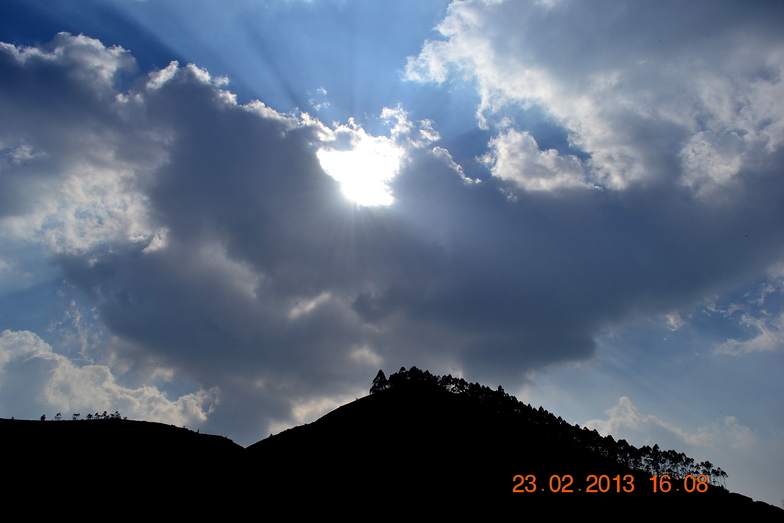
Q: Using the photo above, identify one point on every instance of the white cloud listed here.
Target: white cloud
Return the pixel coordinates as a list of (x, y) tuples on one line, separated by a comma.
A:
[(516, 156), (710, 160), (365, 356), (769, 336), (34, 380), (306, 306), (73, 180), (646, 96), (158, 78), (625, 421), (96, 65), (404, 131), (674, 321)]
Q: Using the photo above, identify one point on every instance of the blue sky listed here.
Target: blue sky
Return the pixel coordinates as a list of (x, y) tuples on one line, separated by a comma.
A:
[(229, 215)]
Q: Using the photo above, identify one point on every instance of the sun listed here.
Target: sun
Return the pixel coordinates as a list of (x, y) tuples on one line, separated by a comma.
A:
[(364, 172)]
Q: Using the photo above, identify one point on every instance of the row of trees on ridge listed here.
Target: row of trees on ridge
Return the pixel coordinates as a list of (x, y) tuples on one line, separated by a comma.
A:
[(77, 416), (648, 459)]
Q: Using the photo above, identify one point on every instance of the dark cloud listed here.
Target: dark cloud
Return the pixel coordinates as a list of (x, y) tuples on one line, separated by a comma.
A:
[(214, 244)]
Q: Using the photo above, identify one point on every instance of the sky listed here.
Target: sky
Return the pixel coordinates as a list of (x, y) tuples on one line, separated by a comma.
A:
[(229, 215)]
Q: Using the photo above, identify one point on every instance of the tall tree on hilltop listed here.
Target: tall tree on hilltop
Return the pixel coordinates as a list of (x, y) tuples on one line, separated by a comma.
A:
[(380, 382)]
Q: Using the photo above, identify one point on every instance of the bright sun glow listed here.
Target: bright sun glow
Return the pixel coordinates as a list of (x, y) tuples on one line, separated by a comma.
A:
[(364, 172)]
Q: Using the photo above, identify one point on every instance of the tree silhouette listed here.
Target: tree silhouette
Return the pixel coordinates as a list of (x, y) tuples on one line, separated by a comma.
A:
[(380, 382), (651, 460)]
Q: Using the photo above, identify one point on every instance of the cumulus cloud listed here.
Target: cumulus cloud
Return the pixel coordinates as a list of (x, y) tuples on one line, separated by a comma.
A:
[(516, 156), (69, 178), (647, 95), (28, 364)]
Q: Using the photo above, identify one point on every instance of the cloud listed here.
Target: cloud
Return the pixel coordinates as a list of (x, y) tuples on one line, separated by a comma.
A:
[(70, 178), (649, 97), (760, 315), (625, 420), (516, 156), (28, 364), (206, 232), (211, 241), (769, 337), (674, 321)]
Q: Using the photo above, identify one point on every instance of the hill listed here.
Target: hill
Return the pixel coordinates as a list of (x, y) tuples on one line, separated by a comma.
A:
[(435, 445), (115, 467), (451, 446)]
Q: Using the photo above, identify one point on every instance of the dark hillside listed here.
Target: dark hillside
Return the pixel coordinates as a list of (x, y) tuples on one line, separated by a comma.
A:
[(134, 466), (418, 443)]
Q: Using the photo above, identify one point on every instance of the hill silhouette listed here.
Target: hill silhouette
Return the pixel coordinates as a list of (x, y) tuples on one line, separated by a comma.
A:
[(442, 443), (436, 445), (116, 467)]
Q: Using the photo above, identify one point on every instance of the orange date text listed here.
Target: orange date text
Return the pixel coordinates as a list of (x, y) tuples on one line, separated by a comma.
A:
[(566, 484)]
